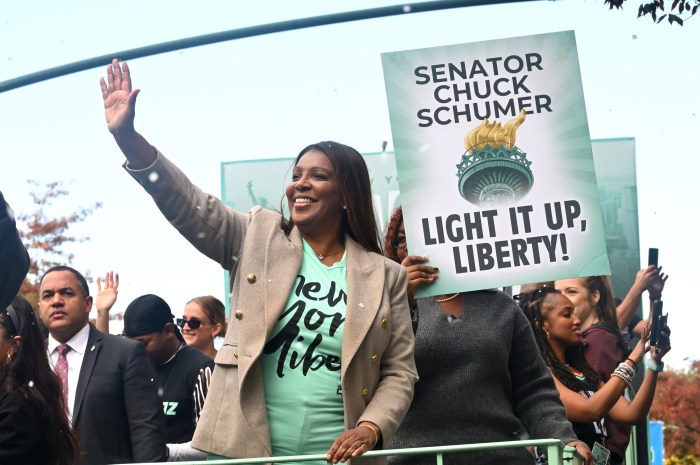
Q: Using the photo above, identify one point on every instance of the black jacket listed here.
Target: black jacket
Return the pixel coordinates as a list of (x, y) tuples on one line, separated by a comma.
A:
[(117, 414), (14, 260)]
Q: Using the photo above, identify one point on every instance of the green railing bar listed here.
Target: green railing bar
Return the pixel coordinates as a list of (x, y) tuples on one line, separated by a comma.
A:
[(252, 31), (439, 458), (557, 453)]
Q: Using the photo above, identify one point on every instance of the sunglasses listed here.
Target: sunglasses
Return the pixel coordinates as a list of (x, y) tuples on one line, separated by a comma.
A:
[(193, 322)]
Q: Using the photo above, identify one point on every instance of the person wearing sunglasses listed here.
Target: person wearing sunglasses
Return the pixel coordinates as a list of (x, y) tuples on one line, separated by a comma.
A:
[(183, 373), (203, 319)]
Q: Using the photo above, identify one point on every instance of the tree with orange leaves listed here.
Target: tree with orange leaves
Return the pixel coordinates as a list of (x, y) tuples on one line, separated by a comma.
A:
[(677, 404), (44, 235)]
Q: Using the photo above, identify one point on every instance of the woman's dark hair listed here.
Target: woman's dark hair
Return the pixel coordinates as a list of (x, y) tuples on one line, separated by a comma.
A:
[(28, 373), (214, 310), (536, 305), (392, 232), (355, 189)]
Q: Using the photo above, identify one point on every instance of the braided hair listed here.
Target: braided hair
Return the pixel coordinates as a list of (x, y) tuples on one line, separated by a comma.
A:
[(536, 305)]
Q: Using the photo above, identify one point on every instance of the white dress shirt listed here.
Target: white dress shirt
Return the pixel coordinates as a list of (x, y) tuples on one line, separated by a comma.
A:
[(74, 357)]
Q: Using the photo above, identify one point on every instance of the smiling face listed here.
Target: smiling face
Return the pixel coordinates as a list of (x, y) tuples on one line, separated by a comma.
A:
[(314, 196), (583, 301), (201, 337), (63, 305), (560, 321)]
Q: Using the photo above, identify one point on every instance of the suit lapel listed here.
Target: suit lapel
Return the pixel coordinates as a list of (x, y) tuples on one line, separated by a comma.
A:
[(281, 270), (282, 261), (89, 359), (365, 275)]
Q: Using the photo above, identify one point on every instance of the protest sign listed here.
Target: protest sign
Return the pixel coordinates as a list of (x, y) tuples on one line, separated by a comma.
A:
[(494, 162)]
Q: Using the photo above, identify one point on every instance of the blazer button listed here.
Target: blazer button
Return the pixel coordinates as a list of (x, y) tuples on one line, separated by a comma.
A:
[(235, 354), (374, 359), (384, 322), (238, 314), (364, 392), (251, 278)]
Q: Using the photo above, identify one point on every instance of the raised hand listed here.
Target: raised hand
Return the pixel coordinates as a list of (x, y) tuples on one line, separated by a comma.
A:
[(656, 282), (119, 98), (664, 344), (643, 345), (107, 294)]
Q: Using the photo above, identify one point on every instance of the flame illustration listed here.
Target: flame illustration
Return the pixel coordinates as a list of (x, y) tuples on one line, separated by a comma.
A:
[(493, 134)]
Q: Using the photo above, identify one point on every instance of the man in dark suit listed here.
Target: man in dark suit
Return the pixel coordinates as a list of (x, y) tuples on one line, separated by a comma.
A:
[(109, 384)]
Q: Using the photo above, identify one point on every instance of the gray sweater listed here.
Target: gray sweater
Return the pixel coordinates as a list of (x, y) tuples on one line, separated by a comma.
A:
[(482, 379)]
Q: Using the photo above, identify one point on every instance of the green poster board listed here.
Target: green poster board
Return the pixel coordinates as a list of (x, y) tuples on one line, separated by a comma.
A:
[(616, 173)]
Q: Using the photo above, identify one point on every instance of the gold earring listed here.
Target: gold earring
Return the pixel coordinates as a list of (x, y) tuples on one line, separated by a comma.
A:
[(547, 333)]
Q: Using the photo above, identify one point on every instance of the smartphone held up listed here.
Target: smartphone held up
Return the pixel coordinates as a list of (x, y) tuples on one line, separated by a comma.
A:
[(658, 319)]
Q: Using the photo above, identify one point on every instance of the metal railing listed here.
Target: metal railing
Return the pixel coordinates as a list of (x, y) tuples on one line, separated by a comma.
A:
[(557, 453)]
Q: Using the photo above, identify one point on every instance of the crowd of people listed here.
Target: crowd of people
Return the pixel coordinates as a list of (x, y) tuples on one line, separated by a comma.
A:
[(327, 349)]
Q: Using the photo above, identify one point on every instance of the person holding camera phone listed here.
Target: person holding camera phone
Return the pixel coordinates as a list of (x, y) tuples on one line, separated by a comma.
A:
[(603, 344), (482, 378), (589, 399), (650, 279)]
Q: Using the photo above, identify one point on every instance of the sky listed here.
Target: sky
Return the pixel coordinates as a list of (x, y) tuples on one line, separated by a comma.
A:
[(269, 96)]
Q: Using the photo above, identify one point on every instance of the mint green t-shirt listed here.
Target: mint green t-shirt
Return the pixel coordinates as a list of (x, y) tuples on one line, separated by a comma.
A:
[(301, 361)]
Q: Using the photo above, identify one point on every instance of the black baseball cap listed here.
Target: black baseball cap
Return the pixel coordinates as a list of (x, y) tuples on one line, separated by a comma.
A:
[(148, 314)]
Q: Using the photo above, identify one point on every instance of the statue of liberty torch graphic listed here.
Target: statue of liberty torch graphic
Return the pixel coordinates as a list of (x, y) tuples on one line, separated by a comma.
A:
[(493, 171)]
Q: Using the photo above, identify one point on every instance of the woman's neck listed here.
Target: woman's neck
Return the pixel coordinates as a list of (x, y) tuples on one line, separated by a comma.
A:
[(325, 244), (451, 306), (591, 320), (210, 350), (559, 351)]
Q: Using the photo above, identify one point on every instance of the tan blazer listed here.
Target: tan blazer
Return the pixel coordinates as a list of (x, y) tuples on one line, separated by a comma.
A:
[(378, 370)]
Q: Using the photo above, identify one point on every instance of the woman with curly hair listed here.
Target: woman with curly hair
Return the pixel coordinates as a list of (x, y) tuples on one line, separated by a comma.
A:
[(34, 428)]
